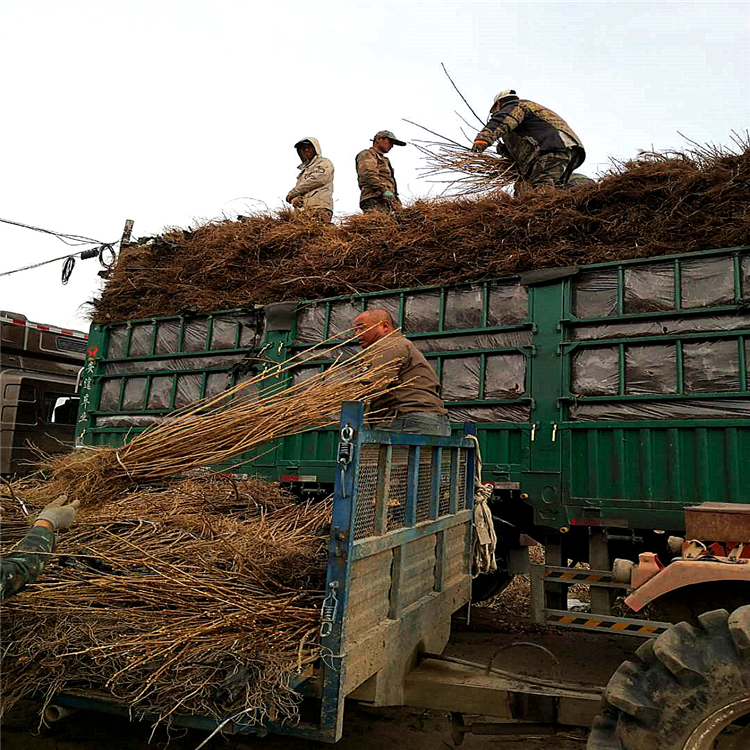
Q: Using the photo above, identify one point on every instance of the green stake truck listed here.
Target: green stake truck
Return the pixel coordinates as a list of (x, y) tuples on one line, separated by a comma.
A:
[(607, 398)]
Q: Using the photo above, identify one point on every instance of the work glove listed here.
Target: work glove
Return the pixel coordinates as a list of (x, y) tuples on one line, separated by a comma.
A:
[(389, 196), (60, 513), (479, 146)]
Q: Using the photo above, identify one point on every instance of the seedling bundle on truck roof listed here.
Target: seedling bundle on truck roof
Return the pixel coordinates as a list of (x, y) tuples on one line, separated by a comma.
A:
[(651, 206)]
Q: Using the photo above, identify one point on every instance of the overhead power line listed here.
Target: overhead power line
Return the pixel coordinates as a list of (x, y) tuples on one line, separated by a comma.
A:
[(105, 251), (70, 260), (68, 239)]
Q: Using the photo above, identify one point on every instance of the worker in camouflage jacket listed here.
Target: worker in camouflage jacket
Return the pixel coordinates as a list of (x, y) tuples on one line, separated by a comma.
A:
[(543, 146), (313, 192), (25, 563), (377, 181)]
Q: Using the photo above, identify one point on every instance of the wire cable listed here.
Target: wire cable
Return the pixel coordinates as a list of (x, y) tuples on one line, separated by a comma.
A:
[(68, 239), (70, 260), (34, 265), (67, 269)]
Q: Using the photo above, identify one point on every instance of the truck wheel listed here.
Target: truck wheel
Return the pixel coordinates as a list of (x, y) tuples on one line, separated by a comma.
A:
[(486, 586), (688, 690)]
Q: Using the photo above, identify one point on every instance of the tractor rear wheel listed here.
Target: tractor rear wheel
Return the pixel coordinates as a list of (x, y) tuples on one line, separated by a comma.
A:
[(689, 689)]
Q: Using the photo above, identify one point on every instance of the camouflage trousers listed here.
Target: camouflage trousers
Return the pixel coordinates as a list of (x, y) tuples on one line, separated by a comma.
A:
[(378, 204), (547, 170)]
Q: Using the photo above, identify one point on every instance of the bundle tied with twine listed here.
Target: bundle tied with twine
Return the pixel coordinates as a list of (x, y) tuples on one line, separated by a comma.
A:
[(197, 595), (217, 430)]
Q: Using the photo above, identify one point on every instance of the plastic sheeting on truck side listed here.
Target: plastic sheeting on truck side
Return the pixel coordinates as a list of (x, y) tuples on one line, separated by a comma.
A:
[(653, 287), (459, 308), (135, 377), (679, 362), (454, 314)]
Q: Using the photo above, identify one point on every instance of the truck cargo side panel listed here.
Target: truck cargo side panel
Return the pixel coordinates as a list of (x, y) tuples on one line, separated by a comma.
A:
[(614, 392), (656, 408)]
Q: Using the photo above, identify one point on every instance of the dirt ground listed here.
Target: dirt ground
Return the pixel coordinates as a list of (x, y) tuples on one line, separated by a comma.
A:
[(586, 658), (365, 729)]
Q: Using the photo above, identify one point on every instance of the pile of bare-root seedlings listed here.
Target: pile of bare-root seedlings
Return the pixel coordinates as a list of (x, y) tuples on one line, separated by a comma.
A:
[(197, 597), (197, 594), (218, 429), (463, 173), (644, 207)]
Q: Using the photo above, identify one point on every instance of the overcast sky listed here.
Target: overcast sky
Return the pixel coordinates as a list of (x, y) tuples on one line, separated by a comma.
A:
[(167, 112)]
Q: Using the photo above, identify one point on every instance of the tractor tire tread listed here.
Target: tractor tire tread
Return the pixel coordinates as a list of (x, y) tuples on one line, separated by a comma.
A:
[(674, 683)]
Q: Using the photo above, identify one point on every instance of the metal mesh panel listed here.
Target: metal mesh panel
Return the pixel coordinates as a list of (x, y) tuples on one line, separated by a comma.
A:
[(397, 487), (461, 493), (367, 488), (444, 502), (424, 484)]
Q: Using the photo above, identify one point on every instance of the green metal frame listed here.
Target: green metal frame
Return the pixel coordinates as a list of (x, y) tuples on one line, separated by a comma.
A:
[(565, 467)]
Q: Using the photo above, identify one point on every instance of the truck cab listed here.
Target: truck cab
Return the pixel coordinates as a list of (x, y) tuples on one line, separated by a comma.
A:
[(39, 367)]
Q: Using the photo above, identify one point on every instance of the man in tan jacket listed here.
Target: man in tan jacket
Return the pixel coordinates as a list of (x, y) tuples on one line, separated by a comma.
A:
[(375, 176), (313, 192), (416, 405)]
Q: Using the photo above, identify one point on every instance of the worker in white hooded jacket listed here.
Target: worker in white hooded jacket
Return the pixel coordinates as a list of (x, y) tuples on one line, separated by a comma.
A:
[(313, 192)]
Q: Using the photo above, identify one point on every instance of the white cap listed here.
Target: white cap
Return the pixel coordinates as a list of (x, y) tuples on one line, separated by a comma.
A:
[(503, 95)]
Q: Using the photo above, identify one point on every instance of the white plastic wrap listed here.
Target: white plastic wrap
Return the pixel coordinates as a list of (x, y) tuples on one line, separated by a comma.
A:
[(661, 326), (595, 372), (649, 288), (650, 369), (595, 294), (422, 312), (707, 282), (508, 304), (460, 378), (311, 324), (711, 366), (490, 413), (505, 376), (463, 308), (472, 341), (659, 410)]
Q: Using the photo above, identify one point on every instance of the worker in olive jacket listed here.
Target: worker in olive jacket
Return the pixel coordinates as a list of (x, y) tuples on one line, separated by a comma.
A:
[(375, 176), (415, 406), (31, 554), (543, 146), (313, 192)]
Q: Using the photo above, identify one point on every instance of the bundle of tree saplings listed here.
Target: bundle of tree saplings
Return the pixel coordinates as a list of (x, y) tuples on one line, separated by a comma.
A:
[(200, 596), (217, 430), (462, 172)]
